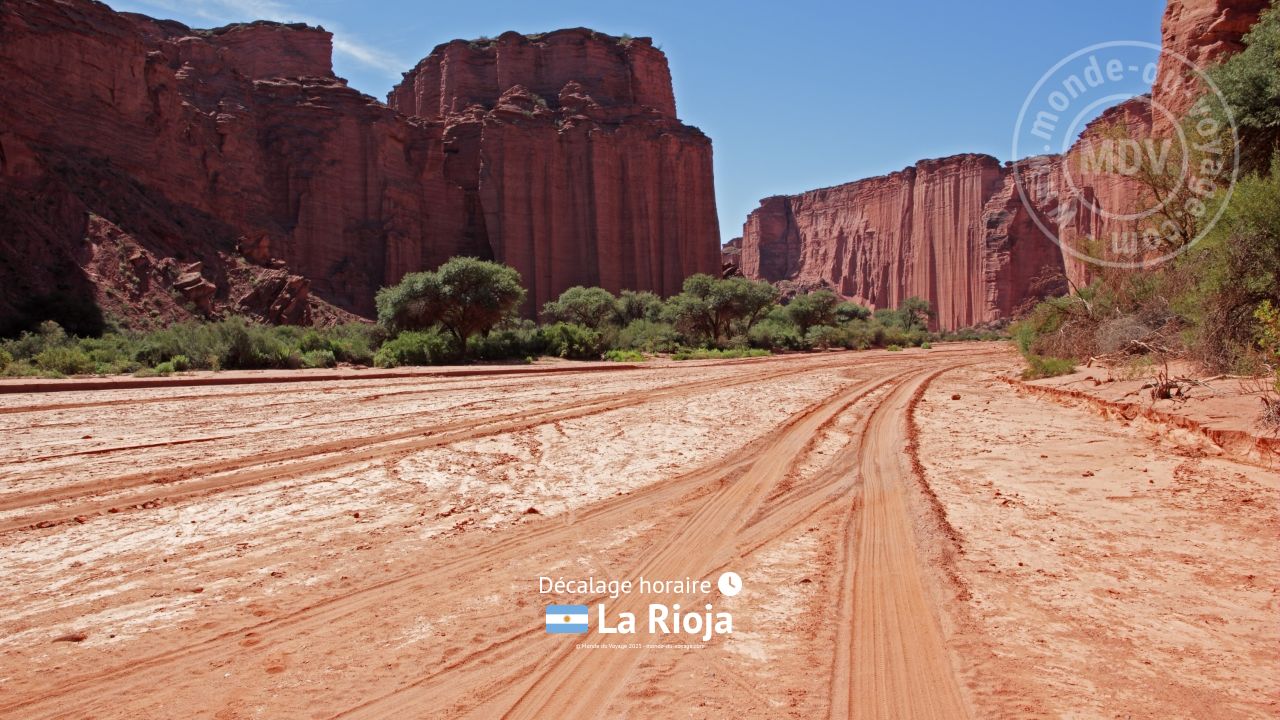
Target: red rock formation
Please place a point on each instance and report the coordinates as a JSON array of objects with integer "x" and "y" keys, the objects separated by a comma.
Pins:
[
  {"x": 238, "y": 148},
  {"x": 947, "y": 231},
  {"x": 957, "y": 232},
  {"x": 569, "y": 144},
  {"x": 1202, "y": 32}
]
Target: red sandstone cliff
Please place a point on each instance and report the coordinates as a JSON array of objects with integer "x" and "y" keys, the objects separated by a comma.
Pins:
[
  {"x": 159, "y": 171},
  {"x": 949, "y": 231},
  {"x": 570, "y": 145},
  {"x": 956, "y": 232}
]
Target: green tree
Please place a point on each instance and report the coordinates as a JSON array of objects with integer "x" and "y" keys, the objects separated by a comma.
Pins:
[
  {"x": 465, "y": 296},
  {"x": 751, "y": 299},
  {"x": 815, "y": 308},
  {"x": 642, "y": 305},
  {"x": 850, "y": 311},
  {"x": 915, "y": 313},
  {"x": 1234, "y": 269},
  {"x": 709, "y": 306},
  {"x": 590, "y": 307}
]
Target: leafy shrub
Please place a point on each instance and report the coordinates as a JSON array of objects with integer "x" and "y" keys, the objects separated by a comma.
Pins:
[
  {"x": 181, "y": 363},
  {"x": 65, "y": 360},
  {"x": 926, "y": 346},
  {"x": 823, "y": 337},
  {"x": 1268, "y": 318},
  {"x": 428, "y": 347},
  {"x": 589, "y": 307},
  {"x": 717, "y": 354},
  {"x": 465, "y": 296},
  {"x": 510, "y": 340},
  {"x": 860, "y": 335},
  {"x": 625, "y": 356},
  {"x": 1046, "y": 367},
  {"x": 319, "y": 359},
  {"x": 894, "y": 348},
  {"x": 648, "y": 336},
  {"x": 30, "y": 344},
  {"x": 634, "y": 306},
  {"x": 577, "y": 342},
  {"x": 165, "y": 368},
  {"x": 1235, "y": 268},
  {"x": 815, "y": 308},
  {"x": 253, "y": 347},
  {"x": 5, "y": 360},
  {"x": 774, "y": 333}
]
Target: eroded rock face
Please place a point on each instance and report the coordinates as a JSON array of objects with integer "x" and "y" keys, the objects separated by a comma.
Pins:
[
  {"x": 949, "y": 231},
  {"x": 238, "y": 146},
  {"x": 956, "y": 231},
  {"x": 569, "y": 147},
  {"x": 1203, "y": 32}
]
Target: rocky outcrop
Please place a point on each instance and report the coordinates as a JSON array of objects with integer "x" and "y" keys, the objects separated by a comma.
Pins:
[
  {"x": 948, "y": 231},
  {"x": 569, "y": 146},
  {"x": 237, "y": 149},
  {"x": 956, "y": 231},
  {"x": 1201, "y": 32}
]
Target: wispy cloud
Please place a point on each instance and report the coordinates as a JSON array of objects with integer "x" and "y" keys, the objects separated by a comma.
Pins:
[{"x": 221, "y": 12}]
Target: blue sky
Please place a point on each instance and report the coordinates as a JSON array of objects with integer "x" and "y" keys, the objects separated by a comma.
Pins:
[{"x": 795, "y": 95}]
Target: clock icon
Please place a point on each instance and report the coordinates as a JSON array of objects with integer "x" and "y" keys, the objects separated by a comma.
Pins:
[{"x": 730, "y": 584}]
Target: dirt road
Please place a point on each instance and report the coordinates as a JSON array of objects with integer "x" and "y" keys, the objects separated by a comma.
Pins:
[{"x": 373, "y": 548}]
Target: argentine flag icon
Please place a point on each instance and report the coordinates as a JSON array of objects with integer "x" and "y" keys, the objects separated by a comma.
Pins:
[{"x": 566, "y": 618}]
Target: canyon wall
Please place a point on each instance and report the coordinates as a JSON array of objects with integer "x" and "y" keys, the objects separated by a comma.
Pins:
[
  {"x": 956, "y": 232},
  {"x": 948, "y": 231},
  {"x": 574, "y": 154},
  {"x": 157, "y": 172}
]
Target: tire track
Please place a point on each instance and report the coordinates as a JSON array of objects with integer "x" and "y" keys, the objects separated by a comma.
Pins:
[
  {"x": 599, "y": 518},
  {"x": 891, "y": 661},
  {"x": 228, "y": 474}
]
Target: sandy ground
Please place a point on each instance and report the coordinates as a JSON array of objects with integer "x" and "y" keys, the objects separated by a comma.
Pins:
[{"x": 372, "y": 547}]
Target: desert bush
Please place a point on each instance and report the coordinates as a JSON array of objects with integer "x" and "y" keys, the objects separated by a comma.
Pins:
[
  {"x": 861, "y": 335},
  {"x": 894, "y": 348},
  {"x": 5, "y": 360},
  {"x": 648, "y": 336},
  {"x": 590, "y": 307},
  {"x": 824, "y": 337},
  {"x": 775, "y": 333},
  {"x": 926, "y": 346},
  {"x": 513, "y": 339},
  {"x": 576, "y": 342},
  {"x": 1121, "y": 333},
  {"x": 815, "y": 308},
  {"x": 708, "y": 309},
  {"x": 634, "y": 306},
  {"x": 28, "y": 345},
  {"x": 64, "y": 360},
  {"x": 624, "y": 356},
  {"x": 850, "y": 311},
  {"x": 248, "y": 346},
  {"x": 465, "y": 296},
  {"x": 426, "y": 347},
  {"x": 719, "y": 354},
  {"x": 165, "y": 368},
  {"x": 1039, "y": 367},
  {"x": 319, "y": 359},
  {"x": 1234, "y": 269}
]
